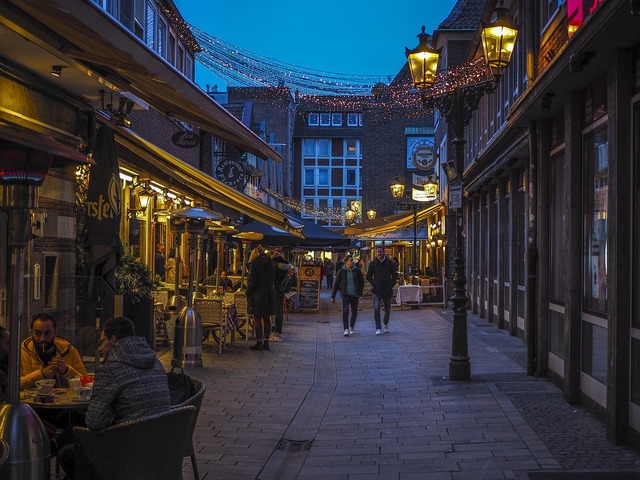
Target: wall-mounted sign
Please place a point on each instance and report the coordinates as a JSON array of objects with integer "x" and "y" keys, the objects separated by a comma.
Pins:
[
  {"x": 421, "y": 153},
  {"x": 455, "y": 195},
  {"x": 185, "y": 139},
  {"x": 230, "y": 172}
]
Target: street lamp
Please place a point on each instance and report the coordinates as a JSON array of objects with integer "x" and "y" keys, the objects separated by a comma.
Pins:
[
  {"x": 498, "y": 40},
  {"x": 371, "y": 214}
]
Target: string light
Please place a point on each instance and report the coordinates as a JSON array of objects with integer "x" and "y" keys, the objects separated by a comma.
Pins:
[
  {"x": 315, "y": 211},
  {"x": 182, "y": 30}
]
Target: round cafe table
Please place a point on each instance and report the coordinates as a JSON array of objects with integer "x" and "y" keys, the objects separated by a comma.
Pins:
[{"x": 63, "y": 399}]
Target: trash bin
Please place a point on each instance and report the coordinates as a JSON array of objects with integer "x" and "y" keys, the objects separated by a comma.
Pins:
[{"x": 187, "y": 344}]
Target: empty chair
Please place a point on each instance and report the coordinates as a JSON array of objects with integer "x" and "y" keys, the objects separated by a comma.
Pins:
[
  {"x": 210, "y": 310},
  {"x": 240, "y": 301},
  {"x": 148, "y": 448},
  {"x": 197, "y": 392}
]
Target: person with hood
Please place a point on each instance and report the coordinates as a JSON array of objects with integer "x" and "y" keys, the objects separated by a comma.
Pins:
[
  {"x": 130, "y": 383},
  {"x": 261, "y": 296},
  {"x": 350, "y": 282},
  {"x": 281, "y": 282},
  {"x": 382, "y": 276},
  {"x": 45, "y": 355}
]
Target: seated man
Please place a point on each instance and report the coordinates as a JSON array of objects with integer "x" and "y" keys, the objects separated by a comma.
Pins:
[
  {"x": 45, "y": 355},
  {"x": 130, "y": 383}
]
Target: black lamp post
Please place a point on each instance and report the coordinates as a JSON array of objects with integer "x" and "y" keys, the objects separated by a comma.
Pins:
[{"x": 498, "y": 40}]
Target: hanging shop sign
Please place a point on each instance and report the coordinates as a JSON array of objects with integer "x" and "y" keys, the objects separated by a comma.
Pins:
[
  {"x": 230, "y": 172},
  {"x": 185, "y": 139},
  {"x": 421, "y": 153}
]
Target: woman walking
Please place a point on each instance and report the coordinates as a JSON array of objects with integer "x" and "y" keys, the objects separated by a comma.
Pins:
[
  {"x": 261, "y": 296},
  {"x": 350, "y": 282}
]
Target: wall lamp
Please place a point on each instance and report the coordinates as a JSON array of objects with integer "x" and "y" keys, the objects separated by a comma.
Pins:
[
  {"x": 56, "y": 70},
  {"x": 371, "y": 214}
]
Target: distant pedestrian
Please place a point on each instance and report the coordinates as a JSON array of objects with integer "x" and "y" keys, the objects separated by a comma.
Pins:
[
  {"x": 261, "y": 296},
  {"x": 350, "y": 283},
  {"x": 329, "y": 270},
  {"x": 382, "y": 277},
  {"x": 160, "y": 261}
]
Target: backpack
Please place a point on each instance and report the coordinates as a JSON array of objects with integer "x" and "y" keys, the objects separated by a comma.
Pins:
[{"x": 179, "y": 386}]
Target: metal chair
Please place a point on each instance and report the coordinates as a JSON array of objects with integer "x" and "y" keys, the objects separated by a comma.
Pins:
[
  {"x": 210, "y": 310},
  {"x": 115, "y": 451},
  {"x": 197, "y": 388}
]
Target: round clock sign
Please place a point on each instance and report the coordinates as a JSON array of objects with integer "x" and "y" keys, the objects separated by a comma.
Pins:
[
  {"x": 421, "y": 154},
  {"x": 230, "y": 172}
]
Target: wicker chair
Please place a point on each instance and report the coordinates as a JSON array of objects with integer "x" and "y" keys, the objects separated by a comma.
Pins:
[
  {"x": 210, "y": 311},
  {"x": 4, "y": 457},
  {"x": 240, "y": 301},
  {"x": 197, "y": 387},
  {"x": 116, "y": 452}
]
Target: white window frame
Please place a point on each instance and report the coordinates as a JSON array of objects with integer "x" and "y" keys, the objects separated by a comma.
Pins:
[
  {"x": 336, "y": 119},
  {"x": 352, "y": 119},
  {"x": 325, "y": 119},
  {"x": 314, "y": 119}
]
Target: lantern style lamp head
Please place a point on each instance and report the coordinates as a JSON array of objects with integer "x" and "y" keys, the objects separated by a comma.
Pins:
[
  {"x": 423, "y": 62},
  {"x": 498, "y": 41},
  {"x": 349, "y": 215},
  {"x": 397, "y": 190},
  {"x": 371, "y": 214}
]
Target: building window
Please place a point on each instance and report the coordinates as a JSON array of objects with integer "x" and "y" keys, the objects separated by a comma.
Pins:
[
  {"x": 162, "y": 38},
  {"x": 309, "y": 177},
  {"x": 351, "y": 178},
  {"x": 325, "y": 119},
  {"x": 336, "y": 119},
  {"x": 352, "y": 120},
  {"x": 314, "y": 119},
  {"x": 324, "y": 147},
  {"x": 548, "y": 10},
  {"x": 352, "y": 145},
  {"x": 323, "y": 177},
  {"x": 150, "y": 39},
  {"x": 595, "y": 215},
  {"x": 309, "y": 147},
  {"x": 359, "y": 119}
]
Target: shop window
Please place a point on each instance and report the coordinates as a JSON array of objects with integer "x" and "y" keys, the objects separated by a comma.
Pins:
[
  {"x": 556, "y": 333},
  {"x": 595, "y": 227},
  {"x": 557, "y": 254},
  {"x": 594, "y": 351},
  {"x": 635, "y": 371}
]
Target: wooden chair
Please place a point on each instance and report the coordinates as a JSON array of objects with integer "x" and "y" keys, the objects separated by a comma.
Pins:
[
  {"x": 148, "y": 448},
  {"x": 197, "y": 388},
  {"x": 210, "y": 310}
]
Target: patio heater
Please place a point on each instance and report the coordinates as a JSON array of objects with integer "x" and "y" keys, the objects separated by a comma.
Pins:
[
  {"x": 187, "y": 344},
  {"x": 21, "y": 171},
  {"x": 176, "y": 303}
]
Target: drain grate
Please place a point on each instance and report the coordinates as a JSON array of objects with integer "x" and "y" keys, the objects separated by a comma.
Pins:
[{"x": 288, "y": 445}]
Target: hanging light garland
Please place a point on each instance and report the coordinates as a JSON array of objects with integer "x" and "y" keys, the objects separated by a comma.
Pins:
[{"x": 315, "y": 211}]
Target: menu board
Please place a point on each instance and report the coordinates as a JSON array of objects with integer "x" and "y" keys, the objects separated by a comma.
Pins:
[{"x": 309, "y": 288}]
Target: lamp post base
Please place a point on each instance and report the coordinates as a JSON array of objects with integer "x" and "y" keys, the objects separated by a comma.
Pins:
[{"x": 459, "y": 369}]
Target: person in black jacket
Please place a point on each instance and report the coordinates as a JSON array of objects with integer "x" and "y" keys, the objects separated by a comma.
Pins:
[
  {"x": 382, "y": 276},
  {"x": 281, "y": 282},
  {"x": 261, "y": 296},
  {"x": 350, "y": 282}
]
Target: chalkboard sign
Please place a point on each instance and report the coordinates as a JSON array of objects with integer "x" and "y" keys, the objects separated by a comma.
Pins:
[{"x": 309, "y": 288}]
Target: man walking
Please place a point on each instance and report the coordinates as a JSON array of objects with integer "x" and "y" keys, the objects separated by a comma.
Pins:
[
  {"x": 350, "y": 283},
  {"x": 382, "y": 277},
  {"x": 329, "y": 269}
]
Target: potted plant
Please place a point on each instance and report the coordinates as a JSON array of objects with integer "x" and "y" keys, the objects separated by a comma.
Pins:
[{"x": 136, "y": 284}]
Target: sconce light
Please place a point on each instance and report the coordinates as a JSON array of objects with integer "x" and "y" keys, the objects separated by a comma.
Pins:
[
  {"x": 371, "y": 214},
  {"x": 397, "y": 190},
  {"x": 578, "y": 61},
  {"x": 349, "y": 215},
  {"x": 56, "y": 70}
]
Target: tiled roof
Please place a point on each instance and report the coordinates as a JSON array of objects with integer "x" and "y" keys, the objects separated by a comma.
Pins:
[{"x": 465, "y": 15}]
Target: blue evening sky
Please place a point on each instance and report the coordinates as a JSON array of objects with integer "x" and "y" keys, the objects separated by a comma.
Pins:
[{"x": 341, "y": 36}]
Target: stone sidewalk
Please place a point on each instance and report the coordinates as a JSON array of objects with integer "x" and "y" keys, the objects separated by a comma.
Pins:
[{"x": 323, "y": 406}]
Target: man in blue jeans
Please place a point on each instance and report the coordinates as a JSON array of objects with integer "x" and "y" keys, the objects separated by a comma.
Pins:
[
  {"x": 350, "y": 282},
  {"x": 382, "y": 276}
]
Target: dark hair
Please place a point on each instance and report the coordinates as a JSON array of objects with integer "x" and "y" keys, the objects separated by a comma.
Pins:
[
  {"x": 44, "y": 317},
  {"x": 347, "y": 257},
  {"x": 119, "y": 327}
]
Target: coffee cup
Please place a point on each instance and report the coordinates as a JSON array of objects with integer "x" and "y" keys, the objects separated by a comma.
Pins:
[
  {"x": 82, "y": 393},
  {"x": 74, "y": 382},
  {"x": 44, "y": 386}
]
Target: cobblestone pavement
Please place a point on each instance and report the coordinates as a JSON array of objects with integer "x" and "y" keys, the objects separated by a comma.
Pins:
[{"x": 323, "y": 406}]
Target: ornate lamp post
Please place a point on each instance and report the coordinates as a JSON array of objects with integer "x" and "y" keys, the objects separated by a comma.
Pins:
[{"x": 498, "y": 40}]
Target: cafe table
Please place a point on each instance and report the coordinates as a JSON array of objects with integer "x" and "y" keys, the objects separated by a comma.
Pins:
[
  {"x": 63, "y": 399},
  {"x": 409, "y": 295}
]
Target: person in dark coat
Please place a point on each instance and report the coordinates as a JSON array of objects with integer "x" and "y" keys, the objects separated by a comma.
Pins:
[
  {"x": 281, "y": 281},
  {"x": 350, "y": 283},
  {"x": 382, "y": 277},
  {"x": 261, "y": 296}
]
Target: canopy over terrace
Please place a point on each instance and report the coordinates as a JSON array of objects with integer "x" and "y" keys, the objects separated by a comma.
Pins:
[
  {"x": 166, "y": 165},
  {"x": 390, "y": 223},
  {"x": 315, "y": 236}
]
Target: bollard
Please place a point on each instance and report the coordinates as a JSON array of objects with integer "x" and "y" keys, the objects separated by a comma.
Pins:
[
  {"x": 29, "y": 453},
  {"x": 187, "y": 344}
]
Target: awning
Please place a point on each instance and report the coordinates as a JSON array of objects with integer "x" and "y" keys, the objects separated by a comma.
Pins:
[
  {"x": 393, "y": 222},
  {"x": 87, "y": 34},
  {"x": 400, "y": 235},
  {"x": 205, "y": 185}
]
